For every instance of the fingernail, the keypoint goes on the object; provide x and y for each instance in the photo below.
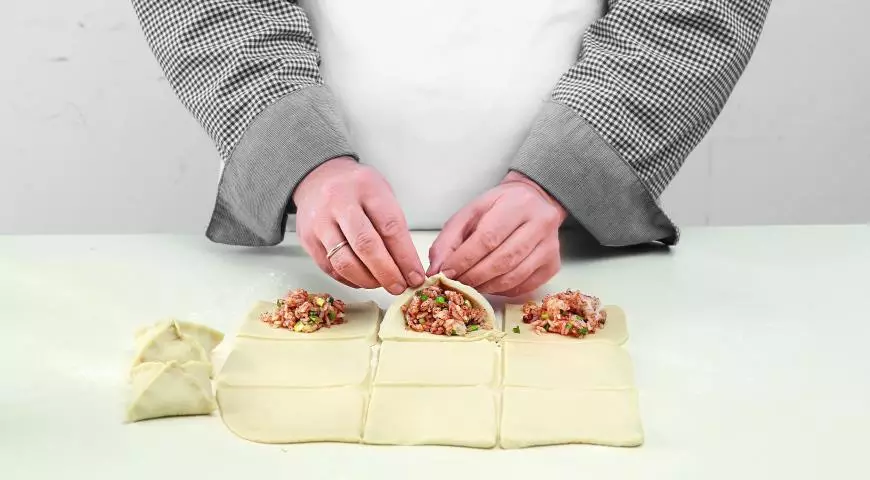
(449, 273)
(415, 278)
(396, 288)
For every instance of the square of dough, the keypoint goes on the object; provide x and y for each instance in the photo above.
(293, 415)
(276, 363)
(460, 416)
(437, 363)
(601, 417)
(394, 327)
(587, 365)
(361, 321)
(614, 331)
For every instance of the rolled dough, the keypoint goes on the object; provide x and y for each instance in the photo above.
(586, 365)
(547, 417)
(277, 363)
(394, 327)
(437, 363)
(293, 415)
(167, 389)
(614, 331)
(461, 416)
(361, 322)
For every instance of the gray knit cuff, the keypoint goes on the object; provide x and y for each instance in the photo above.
(566, 157)
(280, 147)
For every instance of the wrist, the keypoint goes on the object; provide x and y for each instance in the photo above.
(516, 177)
(338, 165)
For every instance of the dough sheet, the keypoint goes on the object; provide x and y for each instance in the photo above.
(438, 363)
(532, 417)
(459, 416)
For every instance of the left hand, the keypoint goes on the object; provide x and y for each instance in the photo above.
(505, 242)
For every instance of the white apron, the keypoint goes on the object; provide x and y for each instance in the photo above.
(438, 95)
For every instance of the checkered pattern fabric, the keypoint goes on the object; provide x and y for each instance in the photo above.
(227, 60)
(654, 75)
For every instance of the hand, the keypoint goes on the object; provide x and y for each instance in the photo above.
(344, 200)
(505, 242)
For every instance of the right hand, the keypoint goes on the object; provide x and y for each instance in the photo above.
(344, 200)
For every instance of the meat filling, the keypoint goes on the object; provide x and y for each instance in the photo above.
(305, 312)
(569, 313)
(439, 310)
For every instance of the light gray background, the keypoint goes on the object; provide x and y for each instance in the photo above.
(94, 140)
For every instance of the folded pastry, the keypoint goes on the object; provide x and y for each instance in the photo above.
(174, 340)
(167, 389)
(442, 310)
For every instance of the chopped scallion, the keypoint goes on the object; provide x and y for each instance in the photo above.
(441, 300)
(516, 329)
(473, 328)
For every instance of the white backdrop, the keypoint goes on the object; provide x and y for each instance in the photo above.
(94, 140)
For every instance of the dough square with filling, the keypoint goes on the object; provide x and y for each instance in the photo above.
(586, 365)
(458, 416)
(533, 417)
(615, 330)
(437, 363)
(169, 389)
(361, 321)
(394, 326)
(293, 415)
(275, 363)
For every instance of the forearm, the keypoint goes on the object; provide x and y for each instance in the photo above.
(651, 79)
(248, 71)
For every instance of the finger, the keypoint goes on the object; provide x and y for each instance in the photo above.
(494, 227)
(545, 255)
(345, 262)
(454, 232)
(318, 254)
(537, 279)
(518, 246)
(389, 221)
(370, 249)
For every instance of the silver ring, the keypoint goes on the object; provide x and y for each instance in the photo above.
(332, 251)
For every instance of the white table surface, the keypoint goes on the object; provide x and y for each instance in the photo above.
(749, 344)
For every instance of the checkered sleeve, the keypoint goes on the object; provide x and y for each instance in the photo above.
(248, 71)
(651, 78)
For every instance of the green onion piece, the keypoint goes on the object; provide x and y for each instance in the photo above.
(424, 297)
(330, 300)
(331, 315)
(441, 300)
(279, 302)
(473, 328)
(516, 329)
(584, 331)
